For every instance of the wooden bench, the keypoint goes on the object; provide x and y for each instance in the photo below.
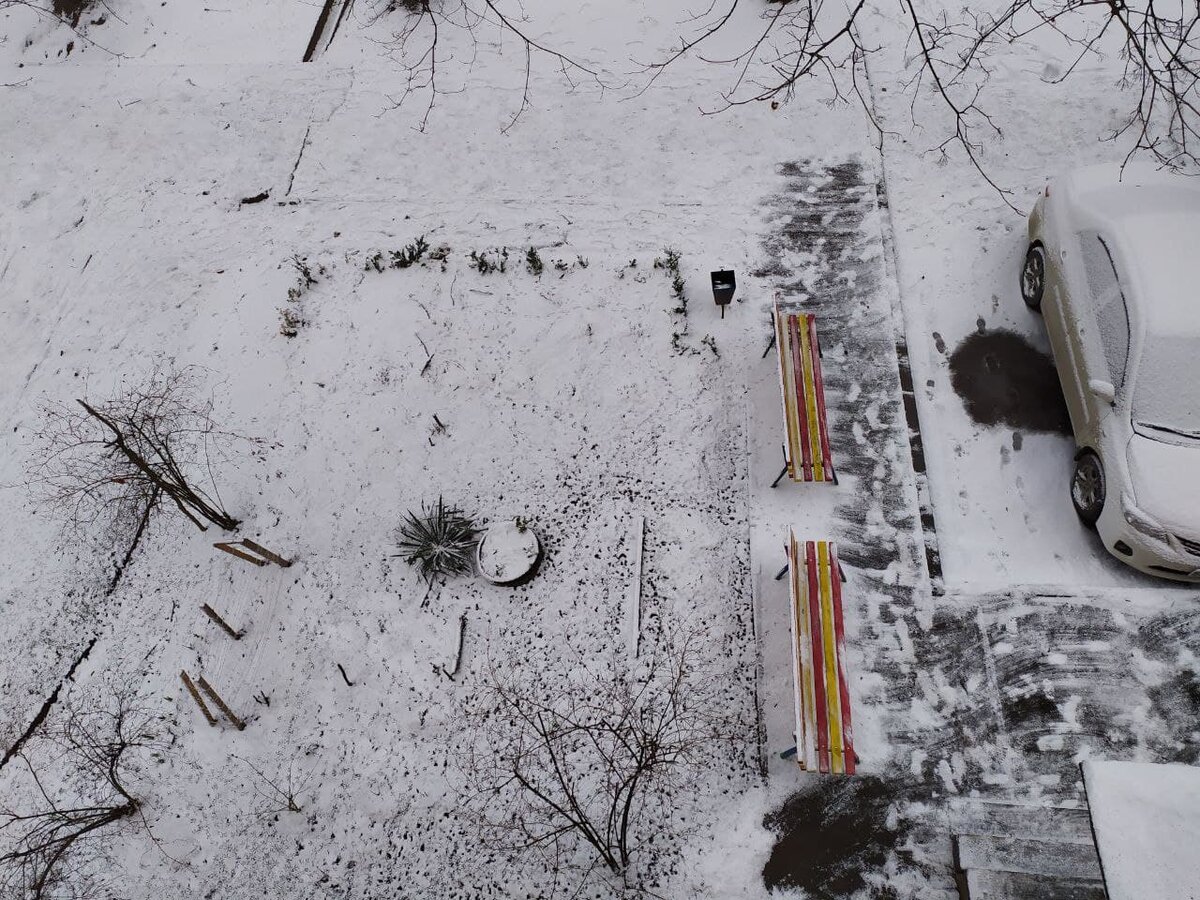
(824, 735)
(806, 451)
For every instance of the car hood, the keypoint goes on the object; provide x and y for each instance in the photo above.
(1165, 486)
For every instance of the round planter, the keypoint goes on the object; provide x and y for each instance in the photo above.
(507, 554)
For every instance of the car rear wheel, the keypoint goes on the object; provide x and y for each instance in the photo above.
(1087, 488)
(1033, 277)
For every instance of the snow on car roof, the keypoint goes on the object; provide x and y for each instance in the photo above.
(1153, 218)
(1146, 818)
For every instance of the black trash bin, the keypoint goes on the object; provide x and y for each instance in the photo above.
(723, 285)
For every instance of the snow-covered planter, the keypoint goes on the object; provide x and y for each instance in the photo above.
(509, 552)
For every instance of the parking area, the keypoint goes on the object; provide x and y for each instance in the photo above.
(983, 673)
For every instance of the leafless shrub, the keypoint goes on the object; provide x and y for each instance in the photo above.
(432, 33)
(587, 757)
(279, 793)
(80, 777)
(104, 465)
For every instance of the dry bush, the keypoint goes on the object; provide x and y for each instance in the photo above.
(580, 757)
(103, 466)
(80, 789)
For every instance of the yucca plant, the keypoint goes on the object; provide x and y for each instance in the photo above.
(440, 540)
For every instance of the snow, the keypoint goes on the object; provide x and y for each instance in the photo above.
(1146, 817)
(1000, 495)
(1109, 177)
(1150, 221)
(123, 240)
(507, 550)
(563, 400)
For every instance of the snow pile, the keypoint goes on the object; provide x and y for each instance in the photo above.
(1146, 818)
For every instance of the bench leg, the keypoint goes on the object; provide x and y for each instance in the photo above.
(788, 754)
(782, 472)
(783, 571)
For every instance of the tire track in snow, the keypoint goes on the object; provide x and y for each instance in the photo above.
(235, 664)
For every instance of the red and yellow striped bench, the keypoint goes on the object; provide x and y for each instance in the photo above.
(825, 735)
(806, 451)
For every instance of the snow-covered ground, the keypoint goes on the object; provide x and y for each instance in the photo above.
(1145, 821)
(575, 398)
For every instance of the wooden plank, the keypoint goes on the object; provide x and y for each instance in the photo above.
(239, 553)
(787, 389)
(265, 553)
(216, 617)
(829, 653)
(322, 20)
(839, 631)
(191, 689)
(800, 459)
(812, 449)
(221, 705)
(633, 594)
(1006, 854)
(1031, 821)
(799, 376)
(799, 675)
(819, 388)
(806, 719)
(818, 655)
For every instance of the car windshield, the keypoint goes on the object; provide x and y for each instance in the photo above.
(1166, 402)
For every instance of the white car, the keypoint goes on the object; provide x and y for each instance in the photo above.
(1114, 267)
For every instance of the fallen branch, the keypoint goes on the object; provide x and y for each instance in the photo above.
(191, 689)
(221, 705)
(225, 626)
(458, 654)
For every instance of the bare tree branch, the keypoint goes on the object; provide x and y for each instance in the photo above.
(45, 851)
(104, 467)
(431, 31)
(584, 754)
(280, 793)
(952, 56)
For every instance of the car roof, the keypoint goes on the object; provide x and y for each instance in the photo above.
(1153, 219)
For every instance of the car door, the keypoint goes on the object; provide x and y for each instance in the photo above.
(1102, 335)
(1061, 309)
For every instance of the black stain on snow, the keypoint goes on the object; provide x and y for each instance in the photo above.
(830, 836)
(1002, 379)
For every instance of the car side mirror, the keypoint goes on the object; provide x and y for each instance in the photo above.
(1103, 389)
